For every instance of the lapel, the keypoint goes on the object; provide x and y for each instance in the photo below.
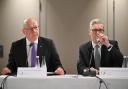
(103, 54)
(41, 50)
(103, 51)
(41, 47)
(91, 53)
(90, 48)
(23, 52)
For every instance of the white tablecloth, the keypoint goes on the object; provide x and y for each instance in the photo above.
(65, 82)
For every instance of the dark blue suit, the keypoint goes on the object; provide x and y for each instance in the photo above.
(18, 54)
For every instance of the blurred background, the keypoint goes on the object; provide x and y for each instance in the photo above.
(64, 21)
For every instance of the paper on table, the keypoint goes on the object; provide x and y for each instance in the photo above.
(122, 72)
(31, 72)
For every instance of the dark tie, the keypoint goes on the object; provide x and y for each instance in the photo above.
(33, 56)
(97, 57)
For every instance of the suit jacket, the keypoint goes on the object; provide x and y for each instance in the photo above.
(112, 58)
(18, 54)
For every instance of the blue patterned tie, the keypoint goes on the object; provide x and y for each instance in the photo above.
(33, 56)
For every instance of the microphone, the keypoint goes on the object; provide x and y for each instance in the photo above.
(89, 72)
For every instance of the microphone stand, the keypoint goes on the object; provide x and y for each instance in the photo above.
(89, 72)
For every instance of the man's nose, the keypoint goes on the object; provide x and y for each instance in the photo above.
(34, 30)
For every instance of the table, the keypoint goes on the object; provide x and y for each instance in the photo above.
(65, 82)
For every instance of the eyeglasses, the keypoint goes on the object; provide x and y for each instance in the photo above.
(98, 30)
(32, 28)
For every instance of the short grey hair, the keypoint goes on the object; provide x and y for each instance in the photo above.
(95, 21)
(25, 23)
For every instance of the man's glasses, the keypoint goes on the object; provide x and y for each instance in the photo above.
(98, 30)
(32, 28)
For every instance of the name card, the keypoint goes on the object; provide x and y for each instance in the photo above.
(31, 72)
(122, 72)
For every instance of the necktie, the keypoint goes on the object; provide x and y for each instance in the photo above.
(33, 56)
(97, 57)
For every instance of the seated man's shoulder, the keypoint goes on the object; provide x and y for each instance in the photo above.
(18, 42)
(45, 40)
(113, 41)
(86, 45)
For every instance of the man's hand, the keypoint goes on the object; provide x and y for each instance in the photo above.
(6, 71)
(103, 39)
(59, 71)
(93, 69)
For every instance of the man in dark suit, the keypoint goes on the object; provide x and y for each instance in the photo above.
(108, 52)
(20, 50)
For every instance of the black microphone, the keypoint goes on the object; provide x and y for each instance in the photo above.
(89, 72)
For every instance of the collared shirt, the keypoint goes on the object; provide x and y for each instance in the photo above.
(29, 50)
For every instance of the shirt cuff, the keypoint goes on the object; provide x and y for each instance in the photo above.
(110, 47)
